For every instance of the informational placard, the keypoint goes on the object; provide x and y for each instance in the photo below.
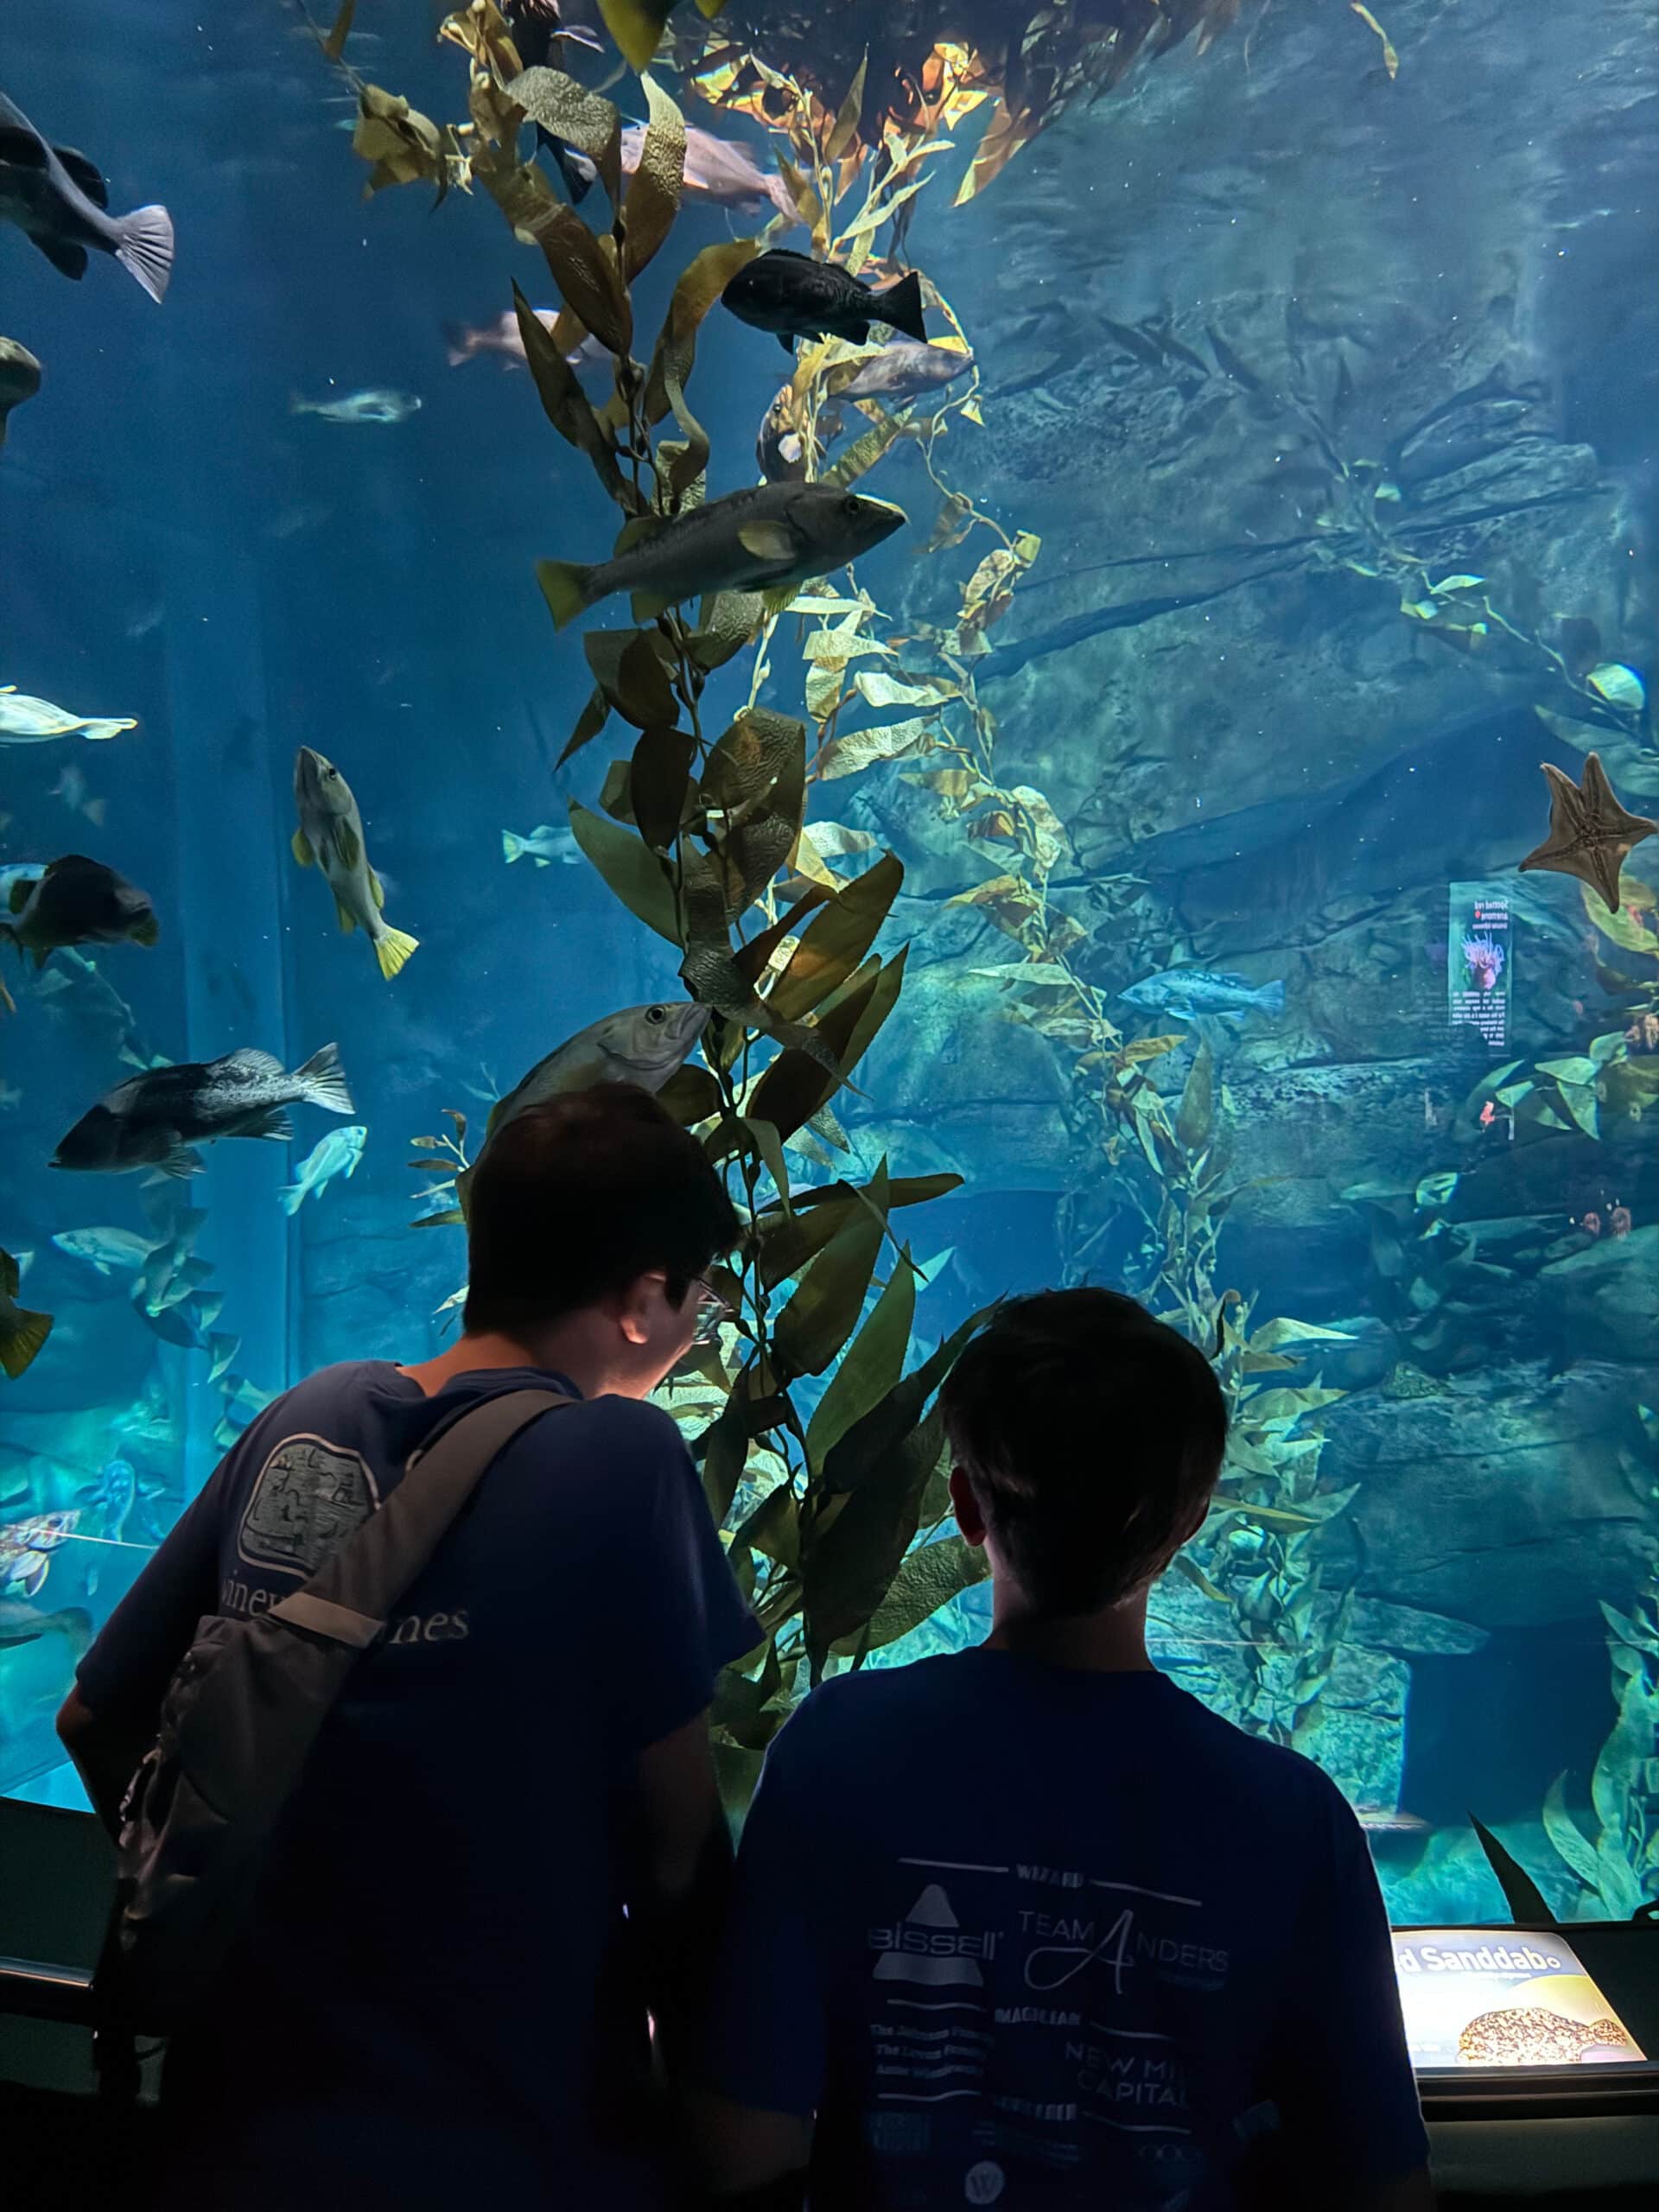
(1479, 961)
(1474, 1998)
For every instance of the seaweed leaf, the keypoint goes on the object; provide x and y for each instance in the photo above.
(824, 1310)
(629, 869)
(653, 198)
(836, 940)
(1525, 1899)
(871, 1366)
(927, 1579)
(700, 285)
(1564, 1834)
(565, 403)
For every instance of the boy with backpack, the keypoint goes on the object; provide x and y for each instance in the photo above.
(1027, 1924)
(505, 1843)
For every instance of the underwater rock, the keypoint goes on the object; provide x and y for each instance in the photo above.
(1606, 1294)
(1507, 1500)
(1406, 1630)
(1449, 1883)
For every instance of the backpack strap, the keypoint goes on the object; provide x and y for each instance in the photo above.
(348, 1597)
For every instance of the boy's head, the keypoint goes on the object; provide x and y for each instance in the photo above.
(596, 1203)
(1089, 1437)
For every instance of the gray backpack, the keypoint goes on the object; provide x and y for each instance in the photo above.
(238, 1721)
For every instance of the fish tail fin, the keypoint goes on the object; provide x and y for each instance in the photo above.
(901, 306)
(323, 1081)
(513, 849)
(293, 1197)
(392, 949)
(458, 340)
(567, 587)
(20, 1339)
(1271, 998)
(146, 248)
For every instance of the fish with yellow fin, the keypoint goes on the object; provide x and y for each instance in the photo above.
(330, 837)
(21, 1333)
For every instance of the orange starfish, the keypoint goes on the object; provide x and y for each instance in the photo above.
(1590, 833)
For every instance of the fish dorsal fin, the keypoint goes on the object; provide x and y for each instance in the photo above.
(301, 848)
(84, 174)
(347, 920)
(22, 891)
(767, 541)
(378, 889)
(21, 147)
(347, 844)
(639, 531)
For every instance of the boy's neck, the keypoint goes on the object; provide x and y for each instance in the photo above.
(567, 1349)
(1109, 1642)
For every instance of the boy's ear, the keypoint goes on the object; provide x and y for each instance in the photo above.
(970, 1519)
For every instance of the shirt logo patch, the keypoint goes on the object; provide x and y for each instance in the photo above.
(930, 1945)
(309, 1496)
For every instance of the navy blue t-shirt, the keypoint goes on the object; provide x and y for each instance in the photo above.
(436, 1994)
(1049, 1938)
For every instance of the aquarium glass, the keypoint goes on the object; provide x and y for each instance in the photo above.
(1278, 495)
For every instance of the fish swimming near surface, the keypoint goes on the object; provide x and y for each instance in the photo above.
(902, 369)
(374, 406)
(764, 539)
(546, 843)
(22, 1623)
(22, 1332)
(59, 199)
(337, 1153)
(20, 378)
(330, 836)
(1189, 992)
(152, 1120)
(24, 721)
(795, 296)
(77, 901)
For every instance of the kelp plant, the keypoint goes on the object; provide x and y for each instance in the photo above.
(822, 1507)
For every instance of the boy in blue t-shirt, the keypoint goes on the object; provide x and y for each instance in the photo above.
(1027, 1925)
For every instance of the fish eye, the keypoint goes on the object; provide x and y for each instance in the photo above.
(657, 1015)
(852, 505)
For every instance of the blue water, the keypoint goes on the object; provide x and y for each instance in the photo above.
(1443, 280)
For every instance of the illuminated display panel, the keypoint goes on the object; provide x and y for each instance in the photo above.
(1479, 1999)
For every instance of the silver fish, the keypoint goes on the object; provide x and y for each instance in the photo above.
(58, 198)
(337, 1153)
(152, 1120)
(22, 1623)
(375, 406)
(106, 1249)
(331, 836)
(1187, 992)
(764, 539)
(902, 369)
(24, 721)
(466, 341)
(545, 844)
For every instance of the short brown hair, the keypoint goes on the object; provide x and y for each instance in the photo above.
(578, 1197)
(1092, 1434)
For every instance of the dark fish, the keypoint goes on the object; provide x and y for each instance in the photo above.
(799, 298)
(78, 901)
(151, 1119)
(58, 198)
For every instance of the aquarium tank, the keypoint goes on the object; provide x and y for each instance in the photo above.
(1125, 757)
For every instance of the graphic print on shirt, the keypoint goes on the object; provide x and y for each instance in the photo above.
(310, 1495)
(1035, 2017)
